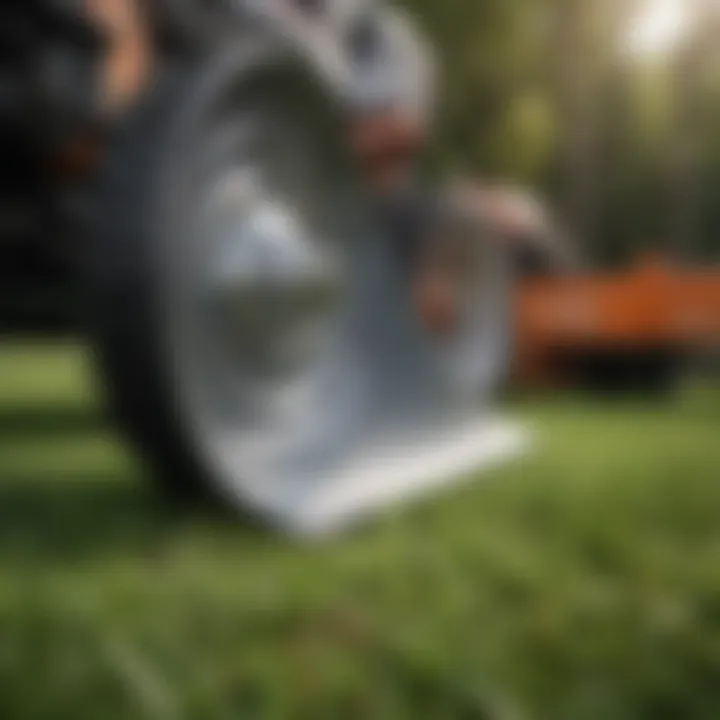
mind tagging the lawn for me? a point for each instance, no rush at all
(582, 582)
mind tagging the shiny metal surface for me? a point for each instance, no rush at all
(268, 274)
(298, 356)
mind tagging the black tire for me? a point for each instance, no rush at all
(123, 329)
(138, 203)
(652, 373)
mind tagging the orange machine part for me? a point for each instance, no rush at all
(128, 59)
(127, 65)
(386, 145)
(650, 306)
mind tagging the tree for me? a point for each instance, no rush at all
(690, 107)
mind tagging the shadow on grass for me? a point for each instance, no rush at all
(66, 519)
(36, 423)
(76, 514)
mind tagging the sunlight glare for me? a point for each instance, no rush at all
(658, 27)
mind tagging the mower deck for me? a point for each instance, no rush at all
(383, 475)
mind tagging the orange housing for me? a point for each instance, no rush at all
(651, 307)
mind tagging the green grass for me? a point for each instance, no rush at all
(581, 582)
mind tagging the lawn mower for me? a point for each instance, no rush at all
(284, 316)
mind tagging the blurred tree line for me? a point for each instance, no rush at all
(551, 93)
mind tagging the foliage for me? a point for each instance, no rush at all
(510, 106)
